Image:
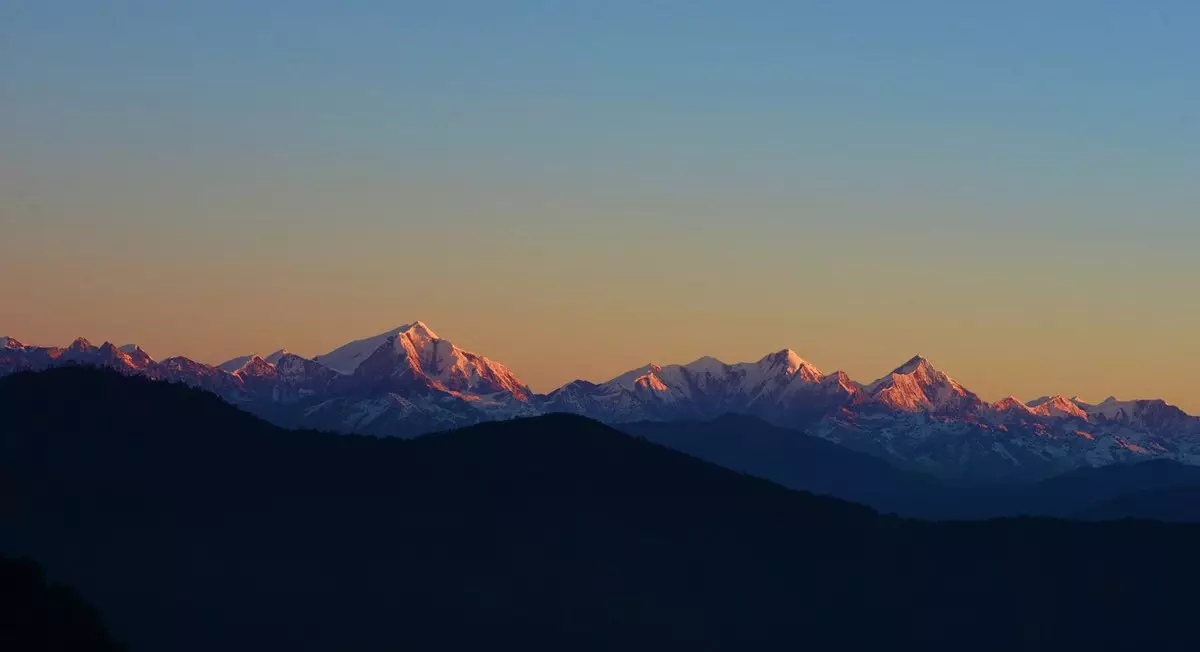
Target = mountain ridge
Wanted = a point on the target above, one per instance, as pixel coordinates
(409, 380)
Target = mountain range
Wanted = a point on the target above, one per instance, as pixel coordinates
(410, 381)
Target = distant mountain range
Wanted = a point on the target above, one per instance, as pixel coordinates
(409, 381)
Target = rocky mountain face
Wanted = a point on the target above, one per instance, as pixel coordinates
(410, 381)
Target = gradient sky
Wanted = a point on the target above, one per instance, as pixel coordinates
(576, 188)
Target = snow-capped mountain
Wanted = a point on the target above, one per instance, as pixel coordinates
(780, 386)
(346, 358)
(240, 361)
(1057, 406)
(917, 386)
(409, 381)
(917, 416)
(137, 357)
(933, 424)
(414, 382)
(418, 360)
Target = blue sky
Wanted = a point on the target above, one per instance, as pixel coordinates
(1011, 173)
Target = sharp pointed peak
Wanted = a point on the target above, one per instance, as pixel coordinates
(1052, 398)
(1010, 402)
(136, 353)
(253, 362)
(916, 362)
(837, 376)
(783, 354)
(790, 360)
(81, 343)
(420, 329)
(10, 342)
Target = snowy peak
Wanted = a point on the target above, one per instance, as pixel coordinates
(237, 363)
(917, 363)
(839, 382)
(234, 364)
(789, 363)
(706, 365)
(346, 358)
(419, 330)
(1152, 413)
(416, 357)
(918, 386)
(1058, 406)
(1011, 404)
(288, 360)
(1111, 408)
(780, 386)
(257, 369)
(81, 345)
(10, 343)
(137, 356)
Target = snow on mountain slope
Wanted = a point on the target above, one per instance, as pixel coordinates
(257, 367)
(780, 386)
(1012, 406)
(1058, 406)
(1153, 414)
(139, 358)
(410, 381)
(919, 386)
(180, 369)
(80, 350)
(234, 364)
(445, 385)
(346, 358)
(1111, 408)
(417, 359)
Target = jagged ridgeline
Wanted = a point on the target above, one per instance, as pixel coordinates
(410, 381)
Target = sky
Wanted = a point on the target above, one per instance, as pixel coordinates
(578, 188)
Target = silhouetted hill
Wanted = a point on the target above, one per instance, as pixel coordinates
(799, 461)
(197, 527)
(40, 615)
(1180, 504)
(1085, 490)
